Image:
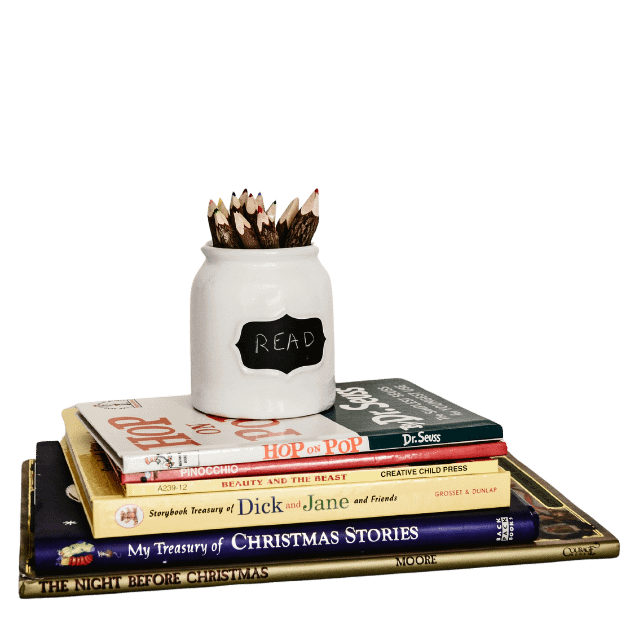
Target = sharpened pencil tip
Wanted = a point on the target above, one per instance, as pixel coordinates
(317, 191)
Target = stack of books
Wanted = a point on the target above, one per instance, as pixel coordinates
(150, 494)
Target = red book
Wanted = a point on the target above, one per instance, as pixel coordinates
(323, 463)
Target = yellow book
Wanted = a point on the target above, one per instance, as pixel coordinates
(110, 513)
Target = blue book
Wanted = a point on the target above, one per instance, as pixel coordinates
(63, 539)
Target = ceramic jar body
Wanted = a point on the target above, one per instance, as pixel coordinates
(262, 334)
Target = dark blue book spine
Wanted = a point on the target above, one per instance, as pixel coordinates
(404, 534)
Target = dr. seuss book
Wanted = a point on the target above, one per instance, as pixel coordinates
(341, 462)
(167, 432)
(64, 543)
(110, 513)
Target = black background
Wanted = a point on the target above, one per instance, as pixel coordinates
(471, 294)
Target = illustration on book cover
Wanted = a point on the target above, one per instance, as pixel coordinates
(81, 554)
(129, 516)
(162, 462)
(118, 404)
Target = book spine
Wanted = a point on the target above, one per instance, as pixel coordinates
(311, 479)
(441, 436)
(303, 570)
(136, 463)
(121, 516)
(321, 463)
(351, 537)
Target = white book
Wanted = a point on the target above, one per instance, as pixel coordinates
(168, 433)
(162, 433)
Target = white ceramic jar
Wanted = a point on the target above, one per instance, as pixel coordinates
(262, 333)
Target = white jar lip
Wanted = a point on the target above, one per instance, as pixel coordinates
(243, 255)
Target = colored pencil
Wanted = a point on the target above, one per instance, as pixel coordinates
(304, 224)
(285, 220)
(257, 227)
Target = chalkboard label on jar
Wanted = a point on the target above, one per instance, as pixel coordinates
(284, 344)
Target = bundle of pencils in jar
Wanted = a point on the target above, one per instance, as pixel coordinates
(248, 225)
